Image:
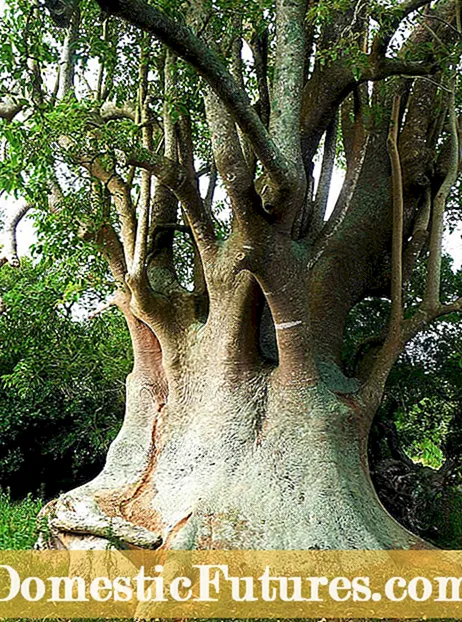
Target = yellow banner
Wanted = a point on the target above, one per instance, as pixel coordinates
(230, 584)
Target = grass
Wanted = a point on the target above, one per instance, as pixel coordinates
(18, 520)
(18, 531)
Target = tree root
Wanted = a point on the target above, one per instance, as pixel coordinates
(81, 516)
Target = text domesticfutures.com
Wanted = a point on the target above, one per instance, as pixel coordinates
(211, 581)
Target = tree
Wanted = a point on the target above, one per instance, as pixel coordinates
(415, 442)
(61, 382)
(242, 427)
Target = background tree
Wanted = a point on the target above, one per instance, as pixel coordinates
(61, 382)
(244, 427)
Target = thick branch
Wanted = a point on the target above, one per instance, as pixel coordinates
(400, 332)
(109, 111)
(118, 188)
(418, 238)
(175, 177)
(392, 21)
(67, 68)
(181, 40)
(144, 203)
(360, 142)
(288, 78)
(259, 46)
(229, 157)
(211, 187)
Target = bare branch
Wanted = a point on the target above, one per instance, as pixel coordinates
(384, 67)
(432, 290)
(101, 68)
(175, 177)
(109, 111)
(399, 331)
(288, 81)
(67, 67)
(418, 238)
(229, 158)
(259, 47)
(102, 308)
(359, 147)
(142, 230)
(396, 315)
(113, 251)
(394, 342)
(9, 252)
(208, 199)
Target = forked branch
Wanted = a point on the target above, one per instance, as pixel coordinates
(393, 344)
(181, 40)
(402, 331)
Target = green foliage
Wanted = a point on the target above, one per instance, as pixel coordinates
(446, 518)
(61, 381)
(18, 522)
(423, 400)
(424, 390)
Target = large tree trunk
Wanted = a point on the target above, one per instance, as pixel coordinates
(231, 461)
(223, 444)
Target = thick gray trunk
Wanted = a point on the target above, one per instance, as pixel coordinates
(251, 465)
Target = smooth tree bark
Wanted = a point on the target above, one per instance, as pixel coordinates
(242, 429)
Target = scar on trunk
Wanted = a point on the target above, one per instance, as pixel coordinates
(285, 325)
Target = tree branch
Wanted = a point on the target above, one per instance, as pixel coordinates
(66, 67)
(325, 178)
(394, 342)
(396, 315)
(432, 289)
(401, 332)
(393, 19)
(118, 188)
(229, 158)
(142, 229)
(418, 238)
(9, 252)
(10, 107)
(288, 80)
(358, 153)
(175, 177)
(181, 40)
(259, 47)
(109, 111)
(211, 187)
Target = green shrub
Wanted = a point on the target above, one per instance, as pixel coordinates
(62, 383)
